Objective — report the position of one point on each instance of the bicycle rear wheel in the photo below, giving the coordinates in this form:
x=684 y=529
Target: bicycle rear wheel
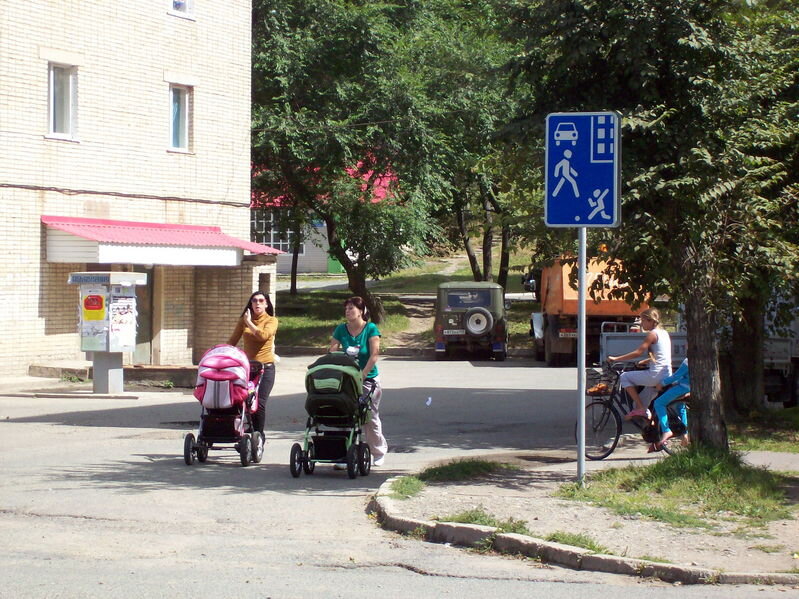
x=602 y=430
x=675 y=410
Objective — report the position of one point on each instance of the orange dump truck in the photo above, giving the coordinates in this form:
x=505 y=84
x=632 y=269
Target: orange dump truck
x=555 y=327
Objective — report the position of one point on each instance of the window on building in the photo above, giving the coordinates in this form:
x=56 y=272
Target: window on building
x=180 y=114
x=265 y=228
x=183 y=7
x=63 y=100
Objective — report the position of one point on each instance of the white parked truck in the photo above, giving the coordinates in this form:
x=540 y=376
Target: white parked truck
x=780 y=360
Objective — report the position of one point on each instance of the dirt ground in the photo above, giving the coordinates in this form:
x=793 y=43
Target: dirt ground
x=528 y=495
x=421 y=314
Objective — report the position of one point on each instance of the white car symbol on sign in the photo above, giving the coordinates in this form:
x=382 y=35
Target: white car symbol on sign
x=566 y=132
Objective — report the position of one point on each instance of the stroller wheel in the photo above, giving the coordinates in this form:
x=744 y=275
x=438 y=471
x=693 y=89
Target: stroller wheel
x=188 y=449
x=308 y=464
x=258 y=443
x=202 y=451
x=245 y=450
x=364 y=459
x=295 y=460
x=352 y=461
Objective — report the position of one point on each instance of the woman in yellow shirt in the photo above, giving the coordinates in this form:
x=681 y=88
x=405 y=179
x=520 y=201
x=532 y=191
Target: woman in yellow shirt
x=256 y=329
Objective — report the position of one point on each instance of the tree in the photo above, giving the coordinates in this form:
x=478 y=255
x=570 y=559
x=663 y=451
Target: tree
x=333 y=114
x=668 y=68
x=450 y=55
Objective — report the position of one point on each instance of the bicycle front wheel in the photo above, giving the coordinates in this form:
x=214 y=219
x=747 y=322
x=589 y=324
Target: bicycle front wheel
x=678 y=414
x=602 y=430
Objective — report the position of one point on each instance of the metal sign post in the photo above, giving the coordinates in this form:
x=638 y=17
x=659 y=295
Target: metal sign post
x=582 y=189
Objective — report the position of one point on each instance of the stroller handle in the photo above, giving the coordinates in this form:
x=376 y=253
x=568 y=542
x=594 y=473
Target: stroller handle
x=367 y=397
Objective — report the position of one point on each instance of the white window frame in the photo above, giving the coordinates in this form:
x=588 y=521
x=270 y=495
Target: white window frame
x=181 y=8
x=186 y=94
x=66 y=99
x=264 y=230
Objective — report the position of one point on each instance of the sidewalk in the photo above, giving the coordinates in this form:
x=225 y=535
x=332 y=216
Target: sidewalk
x=634 y=545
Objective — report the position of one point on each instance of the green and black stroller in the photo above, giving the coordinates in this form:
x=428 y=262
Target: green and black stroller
x=337 y=408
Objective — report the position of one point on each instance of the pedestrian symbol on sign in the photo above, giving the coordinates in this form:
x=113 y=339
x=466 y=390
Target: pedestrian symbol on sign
x=564 y=170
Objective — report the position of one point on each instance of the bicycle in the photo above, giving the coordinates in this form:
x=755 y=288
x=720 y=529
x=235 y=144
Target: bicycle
x=609 y=403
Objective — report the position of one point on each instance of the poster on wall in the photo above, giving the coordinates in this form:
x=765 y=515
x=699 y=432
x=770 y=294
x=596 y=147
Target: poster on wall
x=93 y=318
x=122 y=319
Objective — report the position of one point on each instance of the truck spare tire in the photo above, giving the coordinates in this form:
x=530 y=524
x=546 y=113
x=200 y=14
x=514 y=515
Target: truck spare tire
x=478 y=321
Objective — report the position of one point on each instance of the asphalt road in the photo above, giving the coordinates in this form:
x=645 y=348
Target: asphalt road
x=97 y=501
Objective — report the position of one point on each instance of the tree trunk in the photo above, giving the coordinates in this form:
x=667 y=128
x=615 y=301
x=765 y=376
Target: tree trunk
x=467 y=242
x=489 y=192
x=295 y=258
x=356 y=279
x=377 y=312
x=707 y=420
x=748 y=339
x=488 y=240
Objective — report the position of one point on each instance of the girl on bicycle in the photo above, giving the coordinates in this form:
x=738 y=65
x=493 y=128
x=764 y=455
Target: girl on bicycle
x=657 y=346
x=678 y=385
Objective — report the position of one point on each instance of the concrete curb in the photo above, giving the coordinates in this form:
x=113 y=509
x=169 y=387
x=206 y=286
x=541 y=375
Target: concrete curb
x=576 y=558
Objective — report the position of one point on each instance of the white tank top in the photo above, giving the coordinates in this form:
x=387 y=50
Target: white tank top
x=661 y=353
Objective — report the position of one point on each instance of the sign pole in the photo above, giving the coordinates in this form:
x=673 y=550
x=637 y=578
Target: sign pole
x=581 y=266
x=582 y=189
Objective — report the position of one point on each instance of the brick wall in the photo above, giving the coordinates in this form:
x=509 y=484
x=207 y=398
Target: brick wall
x=176 y=335
x=119 y=165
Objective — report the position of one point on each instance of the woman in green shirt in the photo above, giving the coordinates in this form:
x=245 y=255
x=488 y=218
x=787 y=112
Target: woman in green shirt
x=362 y=339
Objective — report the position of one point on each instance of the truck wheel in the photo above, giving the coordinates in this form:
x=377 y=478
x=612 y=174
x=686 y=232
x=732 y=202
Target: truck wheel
x=550 y=357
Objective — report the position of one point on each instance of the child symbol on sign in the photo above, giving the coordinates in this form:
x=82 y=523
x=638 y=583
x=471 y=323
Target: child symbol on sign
x=598 y=204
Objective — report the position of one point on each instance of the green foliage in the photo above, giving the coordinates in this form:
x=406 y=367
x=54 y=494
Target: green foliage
x=708 y=94
x=332 y=121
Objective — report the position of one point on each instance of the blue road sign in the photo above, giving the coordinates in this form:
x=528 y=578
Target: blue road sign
x=582 y=182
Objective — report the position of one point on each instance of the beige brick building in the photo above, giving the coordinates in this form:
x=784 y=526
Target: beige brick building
x=125 y=111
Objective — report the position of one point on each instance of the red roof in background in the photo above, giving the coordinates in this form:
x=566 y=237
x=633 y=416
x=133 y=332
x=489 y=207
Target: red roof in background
x=139 y=233
x=380 y=185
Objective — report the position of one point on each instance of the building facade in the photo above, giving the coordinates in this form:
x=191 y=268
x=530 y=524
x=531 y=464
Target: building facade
x=313 y=256
x=125 y=136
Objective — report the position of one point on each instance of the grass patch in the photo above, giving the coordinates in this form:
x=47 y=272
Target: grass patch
x=480 y=516
x=424 y=278
x=308 y=318
x=694 y=489
x=767 y=431
x=410 y=486
x=576 y=540
x=462 y=470
x=406 y=487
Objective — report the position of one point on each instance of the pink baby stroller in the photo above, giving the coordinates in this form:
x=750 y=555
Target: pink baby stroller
x=227 y=389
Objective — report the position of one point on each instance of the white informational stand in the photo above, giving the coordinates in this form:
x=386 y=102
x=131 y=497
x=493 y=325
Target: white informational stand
x=107 y=316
